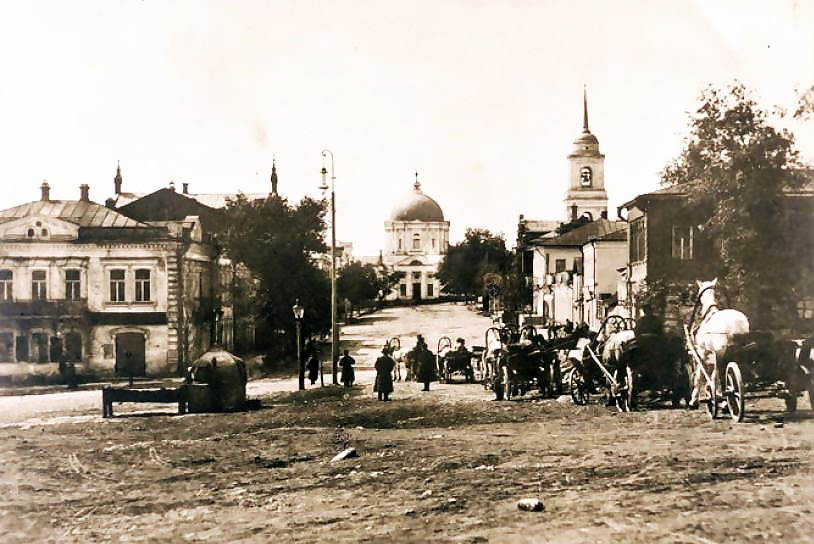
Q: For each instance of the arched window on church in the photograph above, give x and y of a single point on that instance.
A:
(416, 241)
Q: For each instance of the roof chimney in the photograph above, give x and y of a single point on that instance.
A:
(46, 191)
(172, 186)
(110, 203)
(185, 188)
(573, 212)
(84, 192)
(117, 181)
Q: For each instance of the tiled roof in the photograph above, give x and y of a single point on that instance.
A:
(595, 230)
(84, 214)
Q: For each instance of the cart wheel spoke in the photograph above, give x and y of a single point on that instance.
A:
(734, 391)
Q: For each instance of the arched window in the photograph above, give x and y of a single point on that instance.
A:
(585, 176)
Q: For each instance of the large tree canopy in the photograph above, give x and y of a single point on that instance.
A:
(276, 241)
(358, 283)
(738, 169)
(462, 270)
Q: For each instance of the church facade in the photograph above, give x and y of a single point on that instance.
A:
(416, 240)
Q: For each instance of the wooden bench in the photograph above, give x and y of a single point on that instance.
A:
(119, 394)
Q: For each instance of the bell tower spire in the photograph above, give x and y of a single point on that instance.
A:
(586, 187)
(117, 181)
(273, 176)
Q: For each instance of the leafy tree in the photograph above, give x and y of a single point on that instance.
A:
(737, 168)
(388, 281)
(358, 283)
(275, 241)
(462, 270)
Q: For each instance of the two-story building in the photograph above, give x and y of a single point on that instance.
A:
(574, 273)
(81, 282)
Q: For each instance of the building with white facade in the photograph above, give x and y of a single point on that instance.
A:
(82, 283)
(416, 240)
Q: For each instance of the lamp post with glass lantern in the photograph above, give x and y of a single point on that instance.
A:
(298, 313)
(334, 322)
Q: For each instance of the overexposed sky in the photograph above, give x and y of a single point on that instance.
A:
(482, 98)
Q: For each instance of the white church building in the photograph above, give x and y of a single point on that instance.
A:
(416, 239)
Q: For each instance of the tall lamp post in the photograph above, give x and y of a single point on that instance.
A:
(334, 323)
(298, 313)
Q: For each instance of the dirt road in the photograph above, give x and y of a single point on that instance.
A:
(444, 466)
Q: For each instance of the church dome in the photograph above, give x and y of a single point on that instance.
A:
(586, 138)
(417, 207)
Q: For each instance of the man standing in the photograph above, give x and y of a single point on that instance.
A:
(384, 375)
(426, 362)
(346, 362)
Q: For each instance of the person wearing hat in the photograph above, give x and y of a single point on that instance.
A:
(425, 362)
(384, 375)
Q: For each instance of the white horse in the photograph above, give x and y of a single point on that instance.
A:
(715, 332)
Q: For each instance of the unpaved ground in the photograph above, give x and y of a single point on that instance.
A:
(444, 466)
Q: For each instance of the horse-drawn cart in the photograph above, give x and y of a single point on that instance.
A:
(453, 361)
(732, 361)
(590, 374)
(515, 365)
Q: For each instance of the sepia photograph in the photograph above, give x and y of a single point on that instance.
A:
(420, 271)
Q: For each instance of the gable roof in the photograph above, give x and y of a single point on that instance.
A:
(600, 229)
(168, 205)
(79, 212)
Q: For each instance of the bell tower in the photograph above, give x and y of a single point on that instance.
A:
(586, 186)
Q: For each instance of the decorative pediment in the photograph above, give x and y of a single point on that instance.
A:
(37, 228)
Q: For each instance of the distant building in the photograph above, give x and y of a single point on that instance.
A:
(83, 283)
(575, 272)
(554, 252)
(416, 240)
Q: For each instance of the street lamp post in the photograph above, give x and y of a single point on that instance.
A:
(298, 313)
(334, 322)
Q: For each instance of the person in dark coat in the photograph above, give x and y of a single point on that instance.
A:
(425, 361)
(346, 362)
(384, 375)
(312, 362)
(648, 323)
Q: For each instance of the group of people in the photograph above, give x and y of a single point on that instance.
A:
(421, 357)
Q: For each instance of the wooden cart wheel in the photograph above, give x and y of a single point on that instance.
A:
(507, 382)
(734, 391)
(577, 387)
